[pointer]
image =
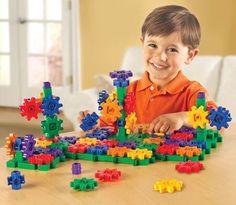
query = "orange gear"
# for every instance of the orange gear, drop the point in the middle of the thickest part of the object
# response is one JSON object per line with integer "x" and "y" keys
{"x": 10, "y": 140}
{"x": 111, "y": 110}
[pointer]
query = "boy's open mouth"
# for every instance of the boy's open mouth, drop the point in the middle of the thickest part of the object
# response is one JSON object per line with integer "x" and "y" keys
{"x": 158, "y": 66}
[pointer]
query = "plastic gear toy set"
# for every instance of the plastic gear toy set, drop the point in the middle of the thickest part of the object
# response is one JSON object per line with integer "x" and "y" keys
{"x": 118, "y": 139}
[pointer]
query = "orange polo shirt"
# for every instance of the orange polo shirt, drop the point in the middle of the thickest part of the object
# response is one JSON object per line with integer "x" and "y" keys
{"x": 178, "y": 95}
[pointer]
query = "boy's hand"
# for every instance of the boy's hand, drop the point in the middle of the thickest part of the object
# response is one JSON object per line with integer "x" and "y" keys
{"x": 82, "y": 115}
{"x": 168, "y": 123}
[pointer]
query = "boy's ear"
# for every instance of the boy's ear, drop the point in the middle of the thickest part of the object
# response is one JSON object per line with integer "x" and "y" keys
{"x": 141, "y": 39}
{"x": 191, "y": 54}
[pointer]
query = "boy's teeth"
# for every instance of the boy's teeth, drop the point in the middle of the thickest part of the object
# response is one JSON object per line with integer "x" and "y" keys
{"x": 156, "y": 65}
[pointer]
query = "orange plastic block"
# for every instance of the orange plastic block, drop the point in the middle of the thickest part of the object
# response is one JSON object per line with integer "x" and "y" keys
{"x": 118, "y": 151}
{"x": 188, "y": 151}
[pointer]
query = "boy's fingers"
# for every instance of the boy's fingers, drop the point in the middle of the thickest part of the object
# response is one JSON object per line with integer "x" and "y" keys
{"x": 164, "y": 128}
{"x": 82, "y": 114}
{"x": 158, "y": 127}
{"x": 152, "y": 125}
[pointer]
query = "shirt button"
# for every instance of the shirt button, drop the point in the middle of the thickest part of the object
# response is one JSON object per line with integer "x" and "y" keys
{"x": 151, "y": 99}
{"x": 152, "y": 88}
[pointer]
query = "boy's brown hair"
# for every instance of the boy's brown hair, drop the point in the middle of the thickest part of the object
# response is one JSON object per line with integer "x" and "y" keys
{"x": 165, "y": 20}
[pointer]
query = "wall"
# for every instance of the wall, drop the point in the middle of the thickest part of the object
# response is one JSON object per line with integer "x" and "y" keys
{"x": 108, "y": 27}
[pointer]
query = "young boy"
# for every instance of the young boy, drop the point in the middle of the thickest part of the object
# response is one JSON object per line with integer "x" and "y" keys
{"x": 170, "y": 39}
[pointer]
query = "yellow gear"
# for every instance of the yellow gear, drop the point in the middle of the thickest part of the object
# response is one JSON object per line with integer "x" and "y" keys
{"x": 198, "y": 117}
{"x": 168, "y": 185}
{"x": 130, "y": 122}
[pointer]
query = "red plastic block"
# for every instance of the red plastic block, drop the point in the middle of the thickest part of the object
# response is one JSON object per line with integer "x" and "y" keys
{"x": 189, "y": 167}
{"x": 41, "y": 159}
{"x": 167, "y": 149}
{"x": 78, "y": 148}
{"x": 108, "y": 175}
{"x": 129, "y": 103}
{"x": 182, "y": 136}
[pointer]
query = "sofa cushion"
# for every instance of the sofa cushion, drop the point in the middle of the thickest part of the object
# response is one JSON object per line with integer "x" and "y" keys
{"x": 226, "y": 96}
{"x": 204, "y": 69}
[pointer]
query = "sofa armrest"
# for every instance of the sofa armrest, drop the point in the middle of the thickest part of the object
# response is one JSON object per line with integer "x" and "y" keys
{"x": 79, "y": 101}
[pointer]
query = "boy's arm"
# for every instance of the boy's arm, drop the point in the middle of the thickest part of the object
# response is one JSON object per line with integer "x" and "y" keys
{"x": 168, "y": 123}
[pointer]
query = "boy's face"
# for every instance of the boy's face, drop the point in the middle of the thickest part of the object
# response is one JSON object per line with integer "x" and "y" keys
{"x": 164, "y": 56}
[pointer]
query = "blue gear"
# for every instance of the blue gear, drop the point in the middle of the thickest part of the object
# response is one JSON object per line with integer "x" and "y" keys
{"x": 103, "y": 95}
{"x": 51, "y": 106}
{"x": 219, "y": 117}
{"x": 89, "y": 121}
{"x": 15, "y": 180}
{"x": 17, "y": 146}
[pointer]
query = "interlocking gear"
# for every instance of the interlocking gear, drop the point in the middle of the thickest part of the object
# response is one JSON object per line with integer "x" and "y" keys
{"x": 30, "y": 108}
{"x": 108, "y": 175}
{"x": 168, "y": 185}
{"x": 51, "y": 126}
{"x": 15, "y": 180}
{"x": 219, "y": 117}
{"x": 28, "y": 146}
{"x": 198, "y": 117}
{"x": 10, "y": 140}
{"x": 130, "y": 123}
{"x": 51, "y": 106}
{"x": 189, "y": 167}
{"x": 84, "y": 184}
{"x": 111, "y": 110}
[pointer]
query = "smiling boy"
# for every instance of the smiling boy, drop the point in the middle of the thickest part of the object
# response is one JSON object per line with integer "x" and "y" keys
{"x": 170, "y": 39}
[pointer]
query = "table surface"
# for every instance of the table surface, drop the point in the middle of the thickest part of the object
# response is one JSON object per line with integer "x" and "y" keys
{"x": 215, "y": 185}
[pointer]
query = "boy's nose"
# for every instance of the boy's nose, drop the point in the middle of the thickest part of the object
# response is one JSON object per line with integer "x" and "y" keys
{"x": 161, "y": 55}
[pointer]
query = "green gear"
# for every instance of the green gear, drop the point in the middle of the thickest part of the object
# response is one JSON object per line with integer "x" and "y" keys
{"x": 84, "y": 184}
{"x": 51, "y": 126}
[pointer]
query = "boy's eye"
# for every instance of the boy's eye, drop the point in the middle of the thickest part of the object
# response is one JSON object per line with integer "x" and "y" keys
{"x": 172, "y": 50}
{"x": 152, "y": 45}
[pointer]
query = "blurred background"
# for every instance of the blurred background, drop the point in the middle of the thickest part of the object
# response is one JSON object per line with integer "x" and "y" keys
{"x": 74, "y": 44}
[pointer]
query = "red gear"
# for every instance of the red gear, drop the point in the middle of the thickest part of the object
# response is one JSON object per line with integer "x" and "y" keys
{"x": 129, "y": 103}
{"x": 189, "y": 167}
{"x": 78, "y": 148}
{"x": 30, "y": 108}
{"x": 108, "y": 174}
{"x": 182, "y": 136}
{"x": 167, "y": 149}
{"x": 41, "y": 159}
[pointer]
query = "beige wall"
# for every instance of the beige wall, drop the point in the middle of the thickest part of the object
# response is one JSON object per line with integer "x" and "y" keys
{"x": 108, "y": 27}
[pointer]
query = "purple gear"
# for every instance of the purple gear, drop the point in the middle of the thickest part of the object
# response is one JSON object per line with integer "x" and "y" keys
{"x": 28, "y": 146}
{"x": 121, "y": 78}
{"x": 219, "y": 117}
{"x": 187, "y": 130}
{"x": 70, "y": 139}
{"x": 131, "y": 145}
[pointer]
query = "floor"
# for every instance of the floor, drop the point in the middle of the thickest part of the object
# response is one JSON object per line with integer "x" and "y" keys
{"x": 11, "y": 121}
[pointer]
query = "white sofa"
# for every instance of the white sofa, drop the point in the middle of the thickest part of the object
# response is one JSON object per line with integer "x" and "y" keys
{"x": 216, "y": 73}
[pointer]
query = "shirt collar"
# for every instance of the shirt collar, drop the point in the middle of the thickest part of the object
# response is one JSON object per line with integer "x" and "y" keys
{"x": 174, "y": 86}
